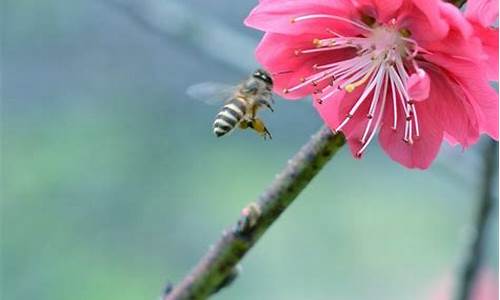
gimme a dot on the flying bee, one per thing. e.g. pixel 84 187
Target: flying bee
pixel 242 102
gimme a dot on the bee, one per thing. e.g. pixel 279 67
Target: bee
pixel 242 103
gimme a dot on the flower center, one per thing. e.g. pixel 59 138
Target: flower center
pixel 384 57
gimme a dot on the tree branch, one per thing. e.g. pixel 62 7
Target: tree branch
pixel 217 268
pixel 473 258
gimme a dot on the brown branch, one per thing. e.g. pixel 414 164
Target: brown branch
pixel 217 268
pixel 473 258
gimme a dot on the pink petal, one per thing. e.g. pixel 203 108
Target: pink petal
pixel 419 85
pixel 435 26
pixel 484 12
pixel 450 104
pixel 455 19
pixel 482 97
pixel 277 16
pixel 387 8
pixel 424 149
pixel 382 10
pixel 489 39
pixel 329 110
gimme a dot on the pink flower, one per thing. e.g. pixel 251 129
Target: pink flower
pixel 416 71
pixel 482 14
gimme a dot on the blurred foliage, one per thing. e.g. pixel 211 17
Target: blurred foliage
pixel 113 184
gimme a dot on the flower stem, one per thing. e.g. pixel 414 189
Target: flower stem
pixel 218 267
pixel 474 256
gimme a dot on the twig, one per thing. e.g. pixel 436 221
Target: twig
pixel 217 267
pixel 473 258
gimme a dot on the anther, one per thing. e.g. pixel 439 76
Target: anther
pixel 405 32
pixel 285 91
pixel 297 52
pixel 349 88
pixel 370 21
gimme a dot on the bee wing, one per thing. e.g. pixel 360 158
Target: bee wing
pixel 211 92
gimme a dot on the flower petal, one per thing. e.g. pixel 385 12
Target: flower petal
pixel 382 10
pixel 424 149
pixel 426 22
pixel 489 39
pixel 450 104
pixel 484 12
pixel 419 85
pixel 482 97
pixel 329 109
pixel 277 16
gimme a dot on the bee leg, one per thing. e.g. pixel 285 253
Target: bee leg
pixel 267 104
pixel 260 128
pixel 244 124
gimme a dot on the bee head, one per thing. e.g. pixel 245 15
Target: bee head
pixel 263 75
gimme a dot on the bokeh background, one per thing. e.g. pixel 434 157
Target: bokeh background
pixel 113 184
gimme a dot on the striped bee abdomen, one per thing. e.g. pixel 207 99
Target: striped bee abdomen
pixel 229 116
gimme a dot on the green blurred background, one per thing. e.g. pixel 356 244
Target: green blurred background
pixel 113 184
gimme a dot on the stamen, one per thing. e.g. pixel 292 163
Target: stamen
pixel 415 120
pixel 379 119
pixel 384 54
pixel 394 106
pixel 352 86
pixel 318 16
pixel 361 99
pixel 373 106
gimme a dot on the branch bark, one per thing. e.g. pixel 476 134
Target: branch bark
pixel 473 258
pixel 217 268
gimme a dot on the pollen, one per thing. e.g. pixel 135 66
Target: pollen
pixel 350 88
